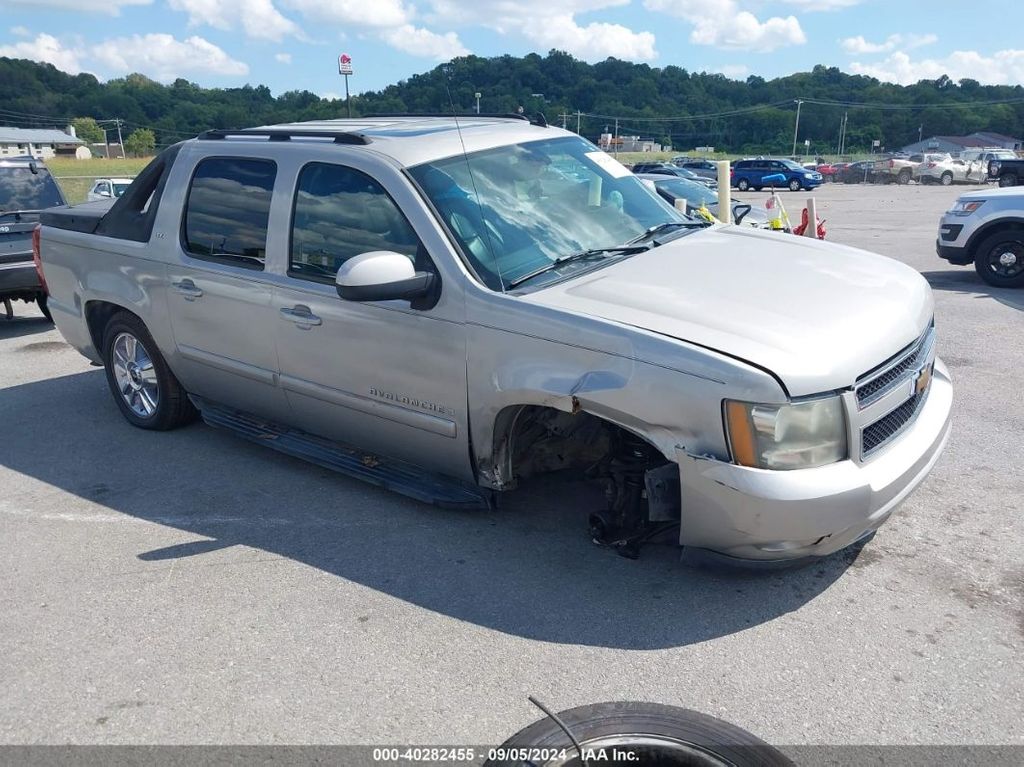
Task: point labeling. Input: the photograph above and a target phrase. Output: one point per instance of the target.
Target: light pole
(477, 97)
(796, 128)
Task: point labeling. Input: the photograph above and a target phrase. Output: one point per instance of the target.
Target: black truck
(26, 188)
(1006, 172)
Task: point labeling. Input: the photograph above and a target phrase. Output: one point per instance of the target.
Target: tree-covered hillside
(755, 115)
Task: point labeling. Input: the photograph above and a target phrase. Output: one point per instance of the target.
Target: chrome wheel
(135, 375)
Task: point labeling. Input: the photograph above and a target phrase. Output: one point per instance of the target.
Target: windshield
(517, 208)
(793, 165)
(120, 189)
(21, 189)
(691, 191)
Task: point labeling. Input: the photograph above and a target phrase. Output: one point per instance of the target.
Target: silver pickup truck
(445, 308)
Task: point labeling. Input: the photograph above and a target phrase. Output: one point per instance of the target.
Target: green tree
(87, 130)
(140, 142)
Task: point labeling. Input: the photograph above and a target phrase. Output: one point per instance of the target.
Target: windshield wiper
(668, 226)
(584, 255)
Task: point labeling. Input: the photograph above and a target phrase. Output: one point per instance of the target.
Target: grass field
(77, 176)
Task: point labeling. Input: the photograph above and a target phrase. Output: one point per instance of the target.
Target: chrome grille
(883, 380)
(884, 429)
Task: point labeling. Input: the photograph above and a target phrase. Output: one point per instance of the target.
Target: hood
(998, 192)
(816, 314)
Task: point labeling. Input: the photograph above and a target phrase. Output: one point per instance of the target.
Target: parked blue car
(750, 174)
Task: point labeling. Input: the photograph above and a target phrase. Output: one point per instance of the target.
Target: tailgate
(16, 236)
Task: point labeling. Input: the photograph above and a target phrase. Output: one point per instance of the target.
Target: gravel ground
(190, 587)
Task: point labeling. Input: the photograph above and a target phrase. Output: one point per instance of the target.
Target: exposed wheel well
(534, 439)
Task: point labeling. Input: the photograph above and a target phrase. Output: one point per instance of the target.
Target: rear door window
(227, 211)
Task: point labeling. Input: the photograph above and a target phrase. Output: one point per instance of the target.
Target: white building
(40, 142)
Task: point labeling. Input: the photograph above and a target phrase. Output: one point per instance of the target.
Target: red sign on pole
(344, 64)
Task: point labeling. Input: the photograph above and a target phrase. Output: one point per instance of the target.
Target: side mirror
(382, 275)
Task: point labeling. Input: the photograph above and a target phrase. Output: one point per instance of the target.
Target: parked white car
(108, 188)
(948, 171)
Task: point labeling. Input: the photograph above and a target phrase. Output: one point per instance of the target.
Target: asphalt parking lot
(189, 587)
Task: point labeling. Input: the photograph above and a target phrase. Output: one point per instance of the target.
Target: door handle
(301, 315)
(188, 289)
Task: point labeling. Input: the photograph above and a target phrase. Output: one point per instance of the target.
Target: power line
(819, 102)
(683, 118)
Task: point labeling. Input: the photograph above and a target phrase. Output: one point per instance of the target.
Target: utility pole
(920, 131)
(616, 136)
(578, 115)
(477, 97)
(120, 141)
(564, 117)
(842, 133)
(796, 127)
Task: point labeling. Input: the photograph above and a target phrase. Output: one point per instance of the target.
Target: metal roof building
(954, 145)
(38, 142)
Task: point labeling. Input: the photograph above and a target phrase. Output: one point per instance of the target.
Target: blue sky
(294, 44)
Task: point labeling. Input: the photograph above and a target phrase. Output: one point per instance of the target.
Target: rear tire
(903, 178)
(999, 260)
(743, 185)
(679, 736)
(1008, 179)
(144, 388)
(946, 179)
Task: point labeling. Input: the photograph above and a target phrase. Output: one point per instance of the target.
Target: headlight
(966, 207)
(799, 435)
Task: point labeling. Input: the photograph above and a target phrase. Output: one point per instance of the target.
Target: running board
(389, 473)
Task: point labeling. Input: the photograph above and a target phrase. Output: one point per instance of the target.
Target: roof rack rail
(492, 115)
(284, 134)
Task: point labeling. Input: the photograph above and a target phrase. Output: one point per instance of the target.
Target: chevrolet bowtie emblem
(924, 377)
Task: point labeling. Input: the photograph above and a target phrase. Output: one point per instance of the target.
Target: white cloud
(594, 42)
(283, 58)
(859, 45)
(258, 18)
(1001, 68)
(48, 49)
(165, 58)
(417, 41)
(722, 24)
(550, 25)
(20, 31)
(106, 7)
(823, 5)
(387, 14)
(733, 71)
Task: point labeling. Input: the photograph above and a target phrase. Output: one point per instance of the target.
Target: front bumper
(951, 241)
(955, 255)
(756, 514)
(19, 277)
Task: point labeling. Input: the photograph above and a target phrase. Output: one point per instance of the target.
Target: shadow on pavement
(527, 569)
(967, 281)
(22, 326)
